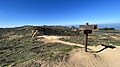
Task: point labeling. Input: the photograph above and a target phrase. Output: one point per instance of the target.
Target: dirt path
(107, 58)
(55, 39)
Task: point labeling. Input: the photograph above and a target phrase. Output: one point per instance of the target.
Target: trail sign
(87, 29)
(87, 26)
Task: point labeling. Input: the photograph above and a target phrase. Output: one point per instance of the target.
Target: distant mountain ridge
(114, 25)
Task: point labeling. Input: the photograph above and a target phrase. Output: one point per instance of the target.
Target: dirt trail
(55, 39)
(79, 58)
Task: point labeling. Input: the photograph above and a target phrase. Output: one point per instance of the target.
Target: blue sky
(58, 12)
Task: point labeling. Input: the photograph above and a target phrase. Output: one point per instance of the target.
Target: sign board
(87, 31)
(88, 27)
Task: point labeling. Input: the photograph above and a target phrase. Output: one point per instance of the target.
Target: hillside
(53, 47)
(17, 45)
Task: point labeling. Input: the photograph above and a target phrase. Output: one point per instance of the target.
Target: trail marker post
(87, 29)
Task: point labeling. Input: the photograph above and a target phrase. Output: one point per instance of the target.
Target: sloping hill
(18, 49)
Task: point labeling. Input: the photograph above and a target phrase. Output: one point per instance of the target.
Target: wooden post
(86, 40)
(86, 32)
